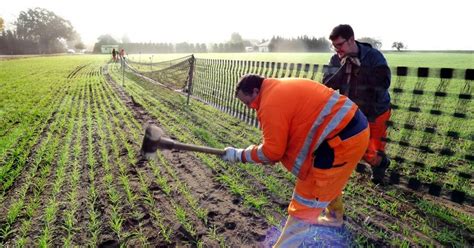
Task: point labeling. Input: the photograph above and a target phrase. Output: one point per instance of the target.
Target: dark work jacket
(368, 85)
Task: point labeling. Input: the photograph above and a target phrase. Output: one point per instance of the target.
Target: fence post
(151, 63)
(123, 72)
(190, 77)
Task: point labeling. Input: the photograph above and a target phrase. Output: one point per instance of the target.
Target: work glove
(232, 155)
(352, 65)
(351, 58)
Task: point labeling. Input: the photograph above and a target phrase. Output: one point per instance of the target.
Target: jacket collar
(364, 49)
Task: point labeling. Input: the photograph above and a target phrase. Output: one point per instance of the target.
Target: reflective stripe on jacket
(296, 115)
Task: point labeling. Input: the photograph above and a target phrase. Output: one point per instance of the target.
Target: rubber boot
(293, 234)
(334, 214)
(378, 172)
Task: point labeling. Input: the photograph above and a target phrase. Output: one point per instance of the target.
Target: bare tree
(398, 45)
(377, 44)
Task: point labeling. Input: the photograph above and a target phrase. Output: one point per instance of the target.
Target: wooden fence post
(190, 77)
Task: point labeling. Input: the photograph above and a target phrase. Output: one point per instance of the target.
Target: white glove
(232, 154)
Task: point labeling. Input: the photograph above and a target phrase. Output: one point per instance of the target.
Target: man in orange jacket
(317, 134)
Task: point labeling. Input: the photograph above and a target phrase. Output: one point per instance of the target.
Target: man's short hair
(249, 82)
(343, 30)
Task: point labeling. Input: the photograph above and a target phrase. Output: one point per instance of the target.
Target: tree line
(150, 47)
(300, 44)
(235, 45)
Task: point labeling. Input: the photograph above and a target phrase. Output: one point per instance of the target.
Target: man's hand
(232, 155)
(352, 64)
(351, 59)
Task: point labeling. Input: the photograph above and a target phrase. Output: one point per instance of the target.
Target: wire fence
(173, 73)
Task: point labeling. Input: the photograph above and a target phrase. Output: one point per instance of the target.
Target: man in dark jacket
(361, 72)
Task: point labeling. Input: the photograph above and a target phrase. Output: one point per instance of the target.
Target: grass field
(70, 174)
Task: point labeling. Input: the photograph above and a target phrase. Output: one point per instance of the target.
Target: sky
(420, 25)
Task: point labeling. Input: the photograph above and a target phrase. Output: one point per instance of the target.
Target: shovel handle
(166, 143)
(195, 148)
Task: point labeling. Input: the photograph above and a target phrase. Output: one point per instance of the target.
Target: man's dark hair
(249, 82)
(343, 30)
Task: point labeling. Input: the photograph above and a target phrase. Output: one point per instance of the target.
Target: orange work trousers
(312, 195)
(378, 135)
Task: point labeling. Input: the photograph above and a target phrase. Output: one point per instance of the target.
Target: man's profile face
(247, 98)
(342, 46)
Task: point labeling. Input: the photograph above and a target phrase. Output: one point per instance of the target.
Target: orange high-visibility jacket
(296, 116)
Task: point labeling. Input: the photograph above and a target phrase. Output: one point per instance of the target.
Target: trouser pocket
(323, 156)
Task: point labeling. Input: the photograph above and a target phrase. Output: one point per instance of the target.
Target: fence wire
(172, 73)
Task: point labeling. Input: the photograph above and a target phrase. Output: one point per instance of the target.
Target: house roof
(264, 44)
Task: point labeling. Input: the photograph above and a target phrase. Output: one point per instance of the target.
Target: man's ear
(256, 91)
